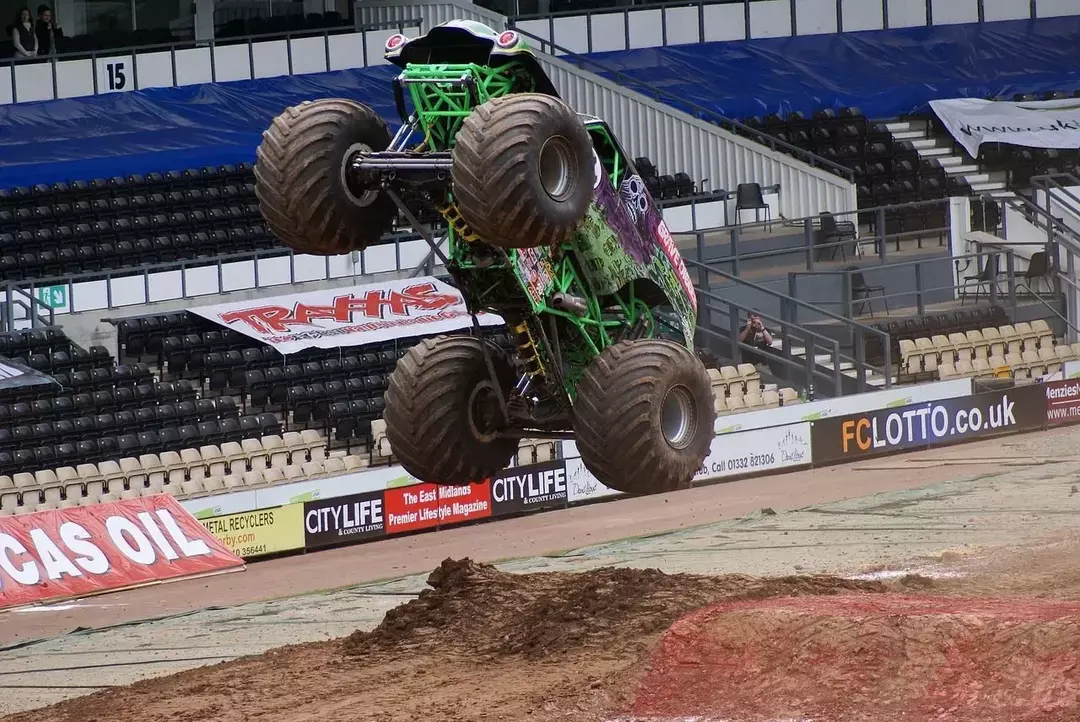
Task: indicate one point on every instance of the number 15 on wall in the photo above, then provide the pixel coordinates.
(114, 74)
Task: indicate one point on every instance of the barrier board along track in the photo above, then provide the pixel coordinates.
(52, 555)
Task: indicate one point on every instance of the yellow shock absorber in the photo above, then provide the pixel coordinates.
(461, 228)
(527, 350)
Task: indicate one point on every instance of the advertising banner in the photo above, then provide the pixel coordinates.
(50, 555)
(842, 406)
(354, 518)
(757, 451)
(1063, 402)
(886, 431)
(342, 317)
(740, 454)
(581, 485)
(423, 506)
(256, 533)
(529, 488)
(1034, 124)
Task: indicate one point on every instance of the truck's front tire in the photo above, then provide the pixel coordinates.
(523, 171)
(441, 412)
(303, 188)
(643, 416)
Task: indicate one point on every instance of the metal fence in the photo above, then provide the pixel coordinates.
(721, 318)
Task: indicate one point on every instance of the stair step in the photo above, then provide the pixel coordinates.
(901, 126)
(988, 186)
(960, 168)
(928, 144)
(908, 134)
(935, 152)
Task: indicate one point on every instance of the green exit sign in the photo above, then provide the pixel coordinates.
(53, 296)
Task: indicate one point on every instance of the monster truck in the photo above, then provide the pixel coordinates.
(548, 225)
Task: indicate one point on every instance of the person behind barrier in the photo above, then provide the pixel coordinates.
(754, 333)
(23, 35)
(48, 32)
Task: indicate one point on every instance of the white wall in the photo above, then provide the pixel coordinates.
(625, 28)
(121, 72)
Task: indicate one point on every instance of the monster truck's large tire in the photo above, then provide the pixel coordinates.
(440, 411)
(643, 416)
(523, 171)
(301, 184)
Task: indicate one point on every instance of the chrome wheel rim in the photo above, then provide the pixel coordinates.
(555, 168)
(678, 420)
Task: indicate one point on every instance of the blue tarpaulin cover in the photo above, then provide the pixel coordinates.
(165, 128)
(885, 73)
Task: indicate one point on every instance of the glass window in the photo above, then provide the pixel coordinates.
(163, 21)
(106, 16)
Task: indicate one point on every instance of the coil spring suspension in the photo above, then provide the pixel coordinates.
(461, 228)
(526, 347)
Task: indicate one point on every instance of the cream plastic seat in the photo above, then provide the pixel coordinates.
(134, 474)
(213, 459)
(313, 469)
(252, 478)
(236, 460)
(192, 488)
(45, 477)
(315, 444)
(994, 341)
(25, 480)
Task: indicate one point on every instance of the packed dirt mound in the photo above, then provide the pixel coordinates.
(491, 612)
(870, 658)
(479, 646)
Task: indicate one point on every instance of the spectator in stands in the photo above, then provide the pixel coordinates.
(754, 333)
(48, 32)
(23, 35)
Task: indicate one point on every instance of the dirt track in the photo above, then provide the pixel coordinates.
(482, 644)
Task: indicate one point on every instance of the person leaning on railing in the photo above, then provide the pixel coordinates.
(23, 35)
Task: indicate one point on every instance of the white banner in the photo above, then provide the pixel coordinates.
(750, 452)
(1037, 124)
(343, 317)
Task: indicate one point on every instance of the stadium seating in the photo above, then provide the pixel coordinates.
(886, 172)
(111, 223)
(1022, 351)
(930, 325)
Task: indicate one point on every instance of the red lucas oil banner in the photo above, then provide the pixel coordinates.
(51, 555)
(343, 317)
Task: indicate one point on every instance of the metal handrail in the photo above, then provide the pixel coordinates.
(1050, 308)
(858, 330)
(809, 364)
(699, 111)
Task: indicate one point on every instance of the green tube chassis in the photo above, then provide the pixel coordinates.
(619, 276)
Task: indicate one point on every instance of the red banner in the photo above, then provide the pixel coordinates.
(50, 555)
(422, 506)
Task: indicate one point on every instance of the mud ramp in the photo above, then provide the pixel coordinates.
(868, 658)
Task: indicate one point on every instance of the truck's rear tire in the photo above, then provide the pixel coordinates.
(439, 407)
(523, 171)
(301, 183)
(643, 416)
